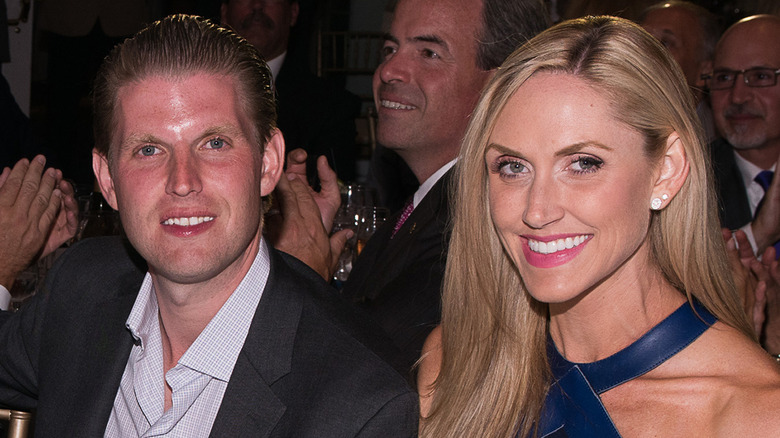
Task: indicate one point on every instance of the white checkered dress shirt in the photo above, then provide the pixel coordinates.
(199, 379)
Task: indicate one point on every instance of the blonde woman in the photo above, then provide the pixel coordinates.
(587, 290)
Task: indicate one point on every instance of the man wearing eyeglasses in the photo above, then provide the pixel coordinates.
(746, 105)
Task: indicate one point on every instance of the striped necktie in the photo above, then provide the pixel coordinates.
(408, 208)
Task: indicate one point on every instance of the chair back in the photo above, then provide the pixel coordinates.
(19, 422)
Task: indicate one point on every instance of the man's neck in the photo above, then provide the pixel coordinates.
(186, 309)
(424, 164)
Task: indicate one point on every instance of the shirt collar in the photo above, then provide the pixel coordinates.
(276, 64)
(145, 308)
(431, 181)
(216, 349)
(747, 170)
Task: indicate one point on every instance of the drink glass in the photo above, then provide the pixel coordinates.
(97, 218)
(371, 218)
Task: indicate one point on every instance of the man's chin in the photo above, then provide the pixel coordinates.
(745, 142)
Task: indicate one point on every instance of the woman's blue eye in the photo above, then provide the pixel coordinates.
(511, 167)
(586, 164)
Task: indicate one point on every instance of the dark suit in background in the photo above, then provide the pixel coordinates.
(733, 204)
(304, 370)
(398, 281)
(317, 117)
(15, 129)
(78, 34)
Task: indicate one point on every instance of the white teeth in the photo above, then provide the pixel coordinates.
(556, 245)
(395, 105)
(187, 221)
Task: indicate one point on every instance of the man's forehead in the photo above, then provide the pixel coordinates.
(673, 18)
(200, 105)
(751, 43)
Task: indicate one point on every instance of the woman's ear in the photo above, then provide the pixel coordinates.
(671, 174)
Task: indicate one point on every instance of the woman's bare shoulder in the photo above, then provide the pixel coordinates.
(723, 384)
(750, 382)
(428, 370)
(743, 382)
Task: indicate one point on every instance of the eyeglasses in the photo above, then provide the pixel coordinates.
(753, 77)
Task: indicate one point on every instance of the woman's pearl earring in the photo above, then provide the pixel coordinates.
(656, 203)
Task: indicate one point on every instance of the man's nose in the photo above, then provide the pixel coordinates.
(183, 174)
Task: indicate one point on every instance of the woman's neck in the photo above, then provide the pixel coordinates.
(613, 314)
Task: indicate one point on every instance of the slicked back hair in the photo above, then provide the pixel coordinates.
(177, 47)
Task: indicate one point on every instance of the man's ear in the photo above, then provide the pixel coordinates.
(294, 10)
(704, 67)
(223, 14)
(104, 180)
(672, 172)
(273, 163)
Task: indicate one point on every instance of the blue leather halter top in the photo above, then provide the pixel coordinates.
(573, 408)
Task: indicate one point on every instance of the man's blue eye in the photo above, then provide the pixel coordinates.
(216, 143)
(148, 151)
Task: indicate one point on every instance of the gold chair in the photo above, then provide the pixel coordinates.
(19, 422)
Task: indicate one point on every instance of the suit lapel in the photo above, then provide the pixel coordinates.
(427, 212)
(733, 204)
(91, 360)
(250, 407)
(104, 364)
(384, 258)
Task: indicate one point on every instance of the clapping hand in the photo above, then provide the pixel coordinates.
(300, 222)
(766, 225)
(328, 198)
(759, 285)
(38, 213)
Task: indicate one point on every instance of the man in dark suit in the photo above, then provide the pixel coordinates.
(746, 106)
(194, 327)
(437, 57)
(312, 114)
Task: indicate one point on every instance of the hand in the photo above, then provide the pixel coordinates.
(750, 277)
(67, 222)
(298, 228)
(770, 337)
(766, 226)
(328, 198)
(30, 204)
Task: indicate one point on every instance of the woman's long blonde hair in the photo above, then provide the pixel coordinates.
(494, 373)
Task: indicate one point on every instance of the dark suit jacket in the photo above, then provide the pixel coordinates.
(398, 281)
(317, 117)
(733, 205)
(304, 370)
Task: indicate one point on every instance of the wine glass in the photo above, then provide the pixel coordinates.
(354, 198)
(97, 218)
(345, 219)
(371, 218)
